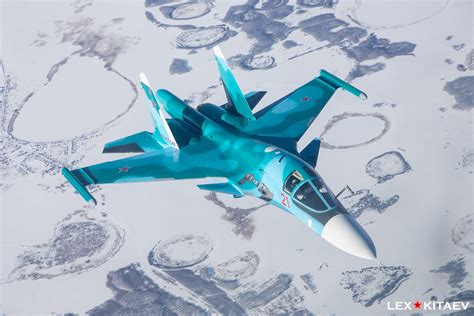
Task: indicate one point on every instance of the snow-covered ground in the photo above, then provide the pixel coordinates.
(68, 79)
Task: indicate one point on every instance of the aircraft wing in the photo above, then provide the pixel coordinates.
(287, 119)
(197, 160)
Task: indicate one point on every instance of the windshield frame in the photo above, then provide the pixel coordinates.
(315, 189)
(295, 174)
(328, 196)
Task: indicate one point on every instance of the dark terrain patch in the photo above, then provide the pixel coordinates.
(364, 70)
(456, 271)
(374, 284)
(462, 89)
(180, 66)
(464, 296)
(134, 293)
(469, 62)
(208, 291)
(80, 242)
(289, 44)
(308, 279)
(77, 240)
(257, 25)
(243, 224)
(384, 104)
(364, 201)
(463, 233)
(387, 165)
(200, 37)
(374, 47)
(265, 292)
(326, 27)
(318, 3)
(458, 47)
(461, 68)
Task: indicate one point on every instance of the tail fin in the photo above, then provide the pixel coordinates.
(311, 151)
(162, 129)
(254, 97)
(235, 97)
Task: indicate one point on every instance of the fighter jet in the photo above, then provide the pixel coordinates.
(255, 153)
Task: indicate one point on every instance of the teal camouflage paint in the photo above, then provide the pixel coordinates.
(256, 154)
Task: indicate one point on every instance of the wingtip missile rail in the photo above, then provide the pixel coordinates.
(80, 188)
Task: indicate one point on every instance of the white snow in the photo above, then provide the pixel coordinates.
(417, 232)
(354, 130)
(72, 103)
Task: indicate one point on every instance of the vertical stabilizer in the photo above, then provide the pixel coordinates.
(162, 129)
(311, 151)
(235, 97)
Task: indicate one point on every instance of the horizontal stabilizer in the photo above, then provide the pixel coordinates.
(287, 119)
(235, 97)
(225, 187)
(182, 132)
(339, 83)
(136, 143)
(253, 98)
(311, 151)
(79, 180)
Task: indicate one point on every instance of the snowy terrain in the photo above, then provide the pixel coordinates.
(69, 74)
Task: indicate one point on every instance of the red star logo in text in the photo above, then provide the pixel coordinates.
(417, 305)
(305, 99)
(123, 169)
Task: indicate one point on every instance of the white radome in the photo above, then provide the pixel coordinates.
(346, 234)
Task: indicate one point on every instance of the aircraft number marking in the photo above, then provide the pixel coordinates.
(284, 200)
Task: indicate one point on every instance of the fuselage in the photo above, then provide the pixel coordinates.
(276, 176)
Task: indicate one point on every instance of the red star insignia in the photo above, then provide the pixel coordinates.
(305, 99)
(417, 305)
(123, 169)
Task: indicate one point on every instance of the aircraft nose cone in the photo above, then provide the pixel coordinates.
(346, 234)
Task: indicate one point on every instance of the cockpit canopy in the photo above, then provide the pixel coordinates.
(311, 193)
